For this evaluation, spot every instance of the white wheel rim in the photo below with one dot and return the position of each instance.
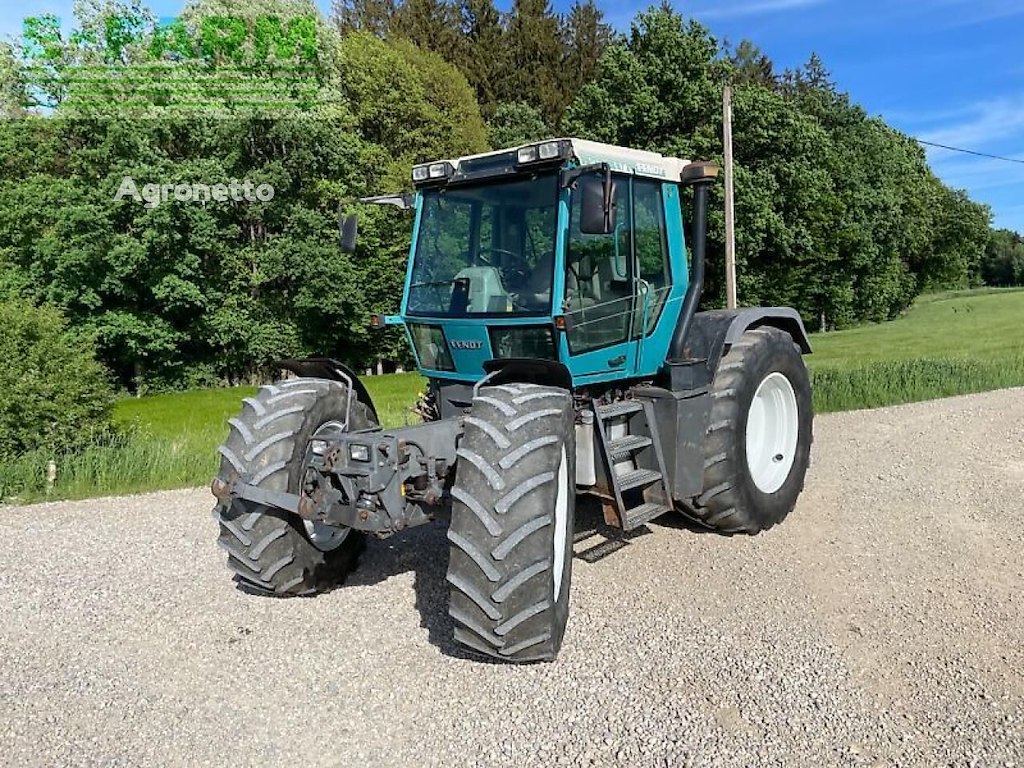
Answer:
(561, 522)
(773, 424)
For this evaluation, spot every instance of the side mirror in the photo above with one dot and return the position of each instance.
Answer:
(348, 228)
(598, 208)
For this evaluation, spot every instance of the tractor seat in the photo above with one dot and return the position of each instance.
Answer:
(536, 292)
(486, 293)
(600, 302)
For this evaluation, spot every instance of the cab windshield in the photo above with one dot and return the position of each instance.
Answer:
(486, 250)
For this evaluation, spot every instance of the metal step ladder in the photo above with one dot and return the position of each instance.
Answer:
(629, 446)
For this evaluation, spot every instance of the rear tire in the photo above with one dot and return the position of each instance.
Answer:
(761, 382)
(512, 523)
(271, 550)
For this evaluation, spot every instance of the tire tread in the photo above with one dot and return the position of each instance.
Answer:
(267, 549)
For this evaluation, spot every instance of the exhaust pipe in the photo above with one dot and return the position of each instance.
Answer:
(700, 176)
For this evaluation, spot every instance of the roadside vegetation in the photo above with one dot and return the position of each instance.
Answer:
(162, 441)
(948, 344)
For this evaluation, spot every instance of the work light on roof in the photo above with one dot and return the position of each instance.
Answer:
(548, 150)
(527, 154)
(432, 172)
(533, 153)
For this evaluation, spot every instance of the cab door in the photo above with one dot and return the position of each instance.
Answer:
(659, 292)
(601, 294)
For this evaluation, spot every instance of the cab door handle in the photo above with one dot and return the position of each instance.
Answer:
(616, 361)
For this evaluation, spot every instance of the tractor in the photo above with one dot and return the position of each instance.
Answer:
(550, 301)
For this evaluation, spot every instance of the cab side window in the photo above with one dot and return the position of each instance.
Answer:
(599, 293)
(651, 251)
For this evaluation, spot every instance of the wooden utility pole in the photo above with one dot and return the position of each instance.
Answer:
(730, 212)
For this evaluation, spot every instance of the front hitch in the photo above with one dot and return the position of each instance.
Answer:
(372, 481)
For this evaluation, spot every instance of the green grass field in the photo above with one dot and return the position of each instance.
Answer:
(167, 441)
(948, 344)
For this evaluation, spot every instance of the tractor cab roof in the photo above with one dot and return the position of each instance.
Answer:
(549, 153)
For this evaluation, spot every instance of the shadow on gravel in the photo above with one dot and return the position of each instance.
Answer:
(424, 552)
(680, 522)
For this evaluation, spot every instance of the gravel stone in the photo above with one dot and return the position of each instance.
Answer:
(881, 625)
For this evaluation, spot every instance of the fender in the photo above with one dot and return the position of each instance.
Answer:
(713, 332)
(528, 371)
(682, 411)
(329, 368)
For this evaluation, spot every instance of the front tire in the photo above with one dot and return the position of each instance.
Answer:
(271, 550)
(758, 444)
(512, 522)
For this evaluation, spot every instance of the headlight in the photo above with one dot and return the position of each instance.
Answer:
(359, 452)
(420, 173)
(431, 347)
(529, 341)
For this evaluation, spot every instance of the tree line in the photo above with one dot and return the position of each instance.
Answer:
(838, 213)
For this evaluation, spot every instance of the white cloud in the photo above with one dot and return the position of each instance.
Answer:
(985, 126)
(971, 12)
(994, 126)
(730, 10)
(976, 174)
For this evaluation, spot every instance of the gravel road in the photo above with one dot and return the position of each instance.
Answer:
(881, 625)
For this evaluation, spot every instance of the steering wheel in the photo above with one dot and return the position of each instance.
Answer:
(487, 260)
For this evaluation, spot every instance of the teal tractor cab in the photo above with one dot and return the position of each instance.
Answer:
(551, 303)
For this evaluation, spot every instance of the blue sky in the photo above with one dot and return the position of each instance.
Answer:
(949, 71)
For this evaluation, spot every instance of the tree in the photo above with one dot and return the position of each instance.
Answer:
(1003, 261)
(819, 227)
(657, 89)
(515, 124)
(183, 293)
(752, 66)
(373, 16)
(13, 95)
(483, 52)
(54, 396)
(585, 38)
(409, 101)
(433, 25)
(533, 59)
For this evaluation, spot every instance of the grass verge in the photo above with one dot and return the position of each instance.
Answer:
(951, 343)
(894, 382)
(165, 441)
